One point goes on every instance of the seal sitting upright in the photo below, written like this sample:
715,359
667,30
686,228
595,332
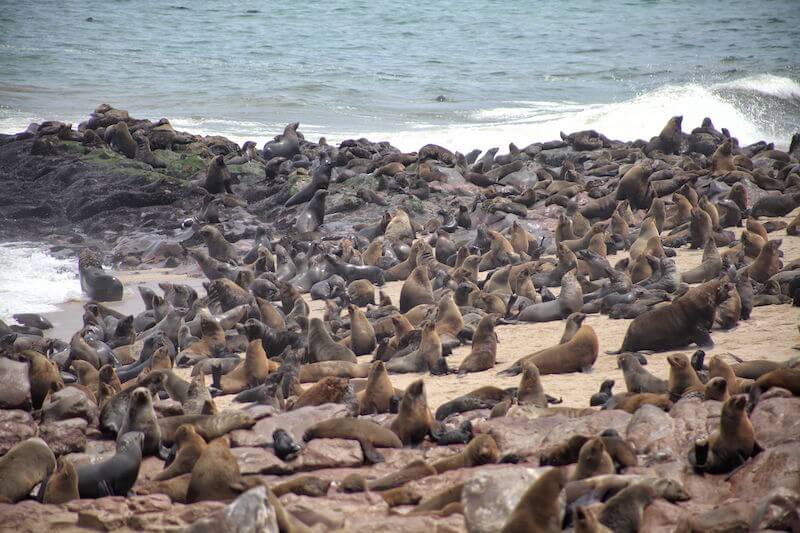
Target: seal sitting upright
96,283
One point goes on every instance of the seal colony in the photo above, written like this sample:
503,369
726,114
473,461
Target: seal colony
350,293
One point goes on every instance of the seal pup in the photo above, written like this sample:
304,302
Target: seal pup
116,475
283,445
24,466
637,378
603,395
730,445
593,460
623,512
530,390
539,510
362,334
483,353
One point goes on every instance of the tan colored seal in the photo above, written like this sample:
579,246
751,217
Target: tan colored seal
593,460
377,395
731,444
416,290
576,355
213,473
682,377
481,450
62,487
530,390
414,420
484,347
23,467
362,335
321,347
190,446
539,509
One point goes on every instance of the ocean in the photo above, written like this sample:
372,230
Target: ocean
464,74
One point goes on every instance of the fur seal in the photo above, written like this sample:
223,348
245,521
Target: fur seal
425,358
218,178
484,348
119,137
576,355
62,486
716,389
321,347
481,450
416,290
253,370
601,397
637,378
96,283
623,512
709,267
214,473
687,319
207,426
288,146
218,247
312,215
24,466
768,262
539,510
189,446
283,445
730,445
593,460
570,300
115,476
377,395
414,420
362,335
366,432
327,390
141,417
530,390
682,376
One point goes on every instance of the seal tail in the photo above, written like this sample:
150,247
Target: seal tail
513,370
371,454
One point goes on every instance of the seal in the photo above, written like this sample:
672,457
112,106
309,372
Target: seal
416,290
115,476
570,300
43,376
586,521
785,378
593,460
768,262
483,354
637,378
350,273
283,445
449,320
603,395
287,146
24,466
253,370
623,512
320,179
214,473
96,283
321,347
362,335
119,137
687,319
481,398
682,377
539,509
327,390
630,402
312,215
716,389
426,357
709,267
207,426
377,395
530,390
730,445
361,291
141,417
576,355
366,432
414,420
62,487
481,450
218,247
218,178
189,446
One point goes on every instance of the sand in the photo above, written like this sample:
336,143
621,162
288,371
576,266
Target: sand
771,333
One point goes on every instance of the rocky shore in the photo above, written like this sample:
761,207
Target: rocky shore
429,330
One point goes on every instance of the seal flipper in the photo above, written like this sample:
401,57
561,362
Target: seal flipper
553,399
371,455
167,454
702,338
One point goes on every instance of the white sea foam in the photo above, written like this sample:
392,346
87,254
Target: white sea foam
32,281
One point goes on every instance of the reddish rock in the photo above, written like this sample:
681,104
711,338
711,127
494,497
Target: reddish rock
771,469
652,431
490,496
15,426
776,421
318,454
65,436
334,511
249,512
69,402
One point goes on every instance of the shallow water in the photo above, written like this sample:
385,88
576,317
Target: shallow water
508,71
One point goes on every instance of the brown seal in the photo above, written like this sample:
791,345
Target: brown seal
623,511
23,467
190,446
207,426
700,228
530,390
362,335
252,371
785,378
709,267
141,416
361,291
414,420
448,317
687,319
731,444
311,373
593,460
682,376
539,509
119,137
399,227
62,487
416,290
768,262
570,300
424,358
722,159
43,375
481,450
576,355
214,473
326,390
218,177
366,432
483,354
634,186
586,521
321,347
218,247
637,378
716,389
377,395
630,402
